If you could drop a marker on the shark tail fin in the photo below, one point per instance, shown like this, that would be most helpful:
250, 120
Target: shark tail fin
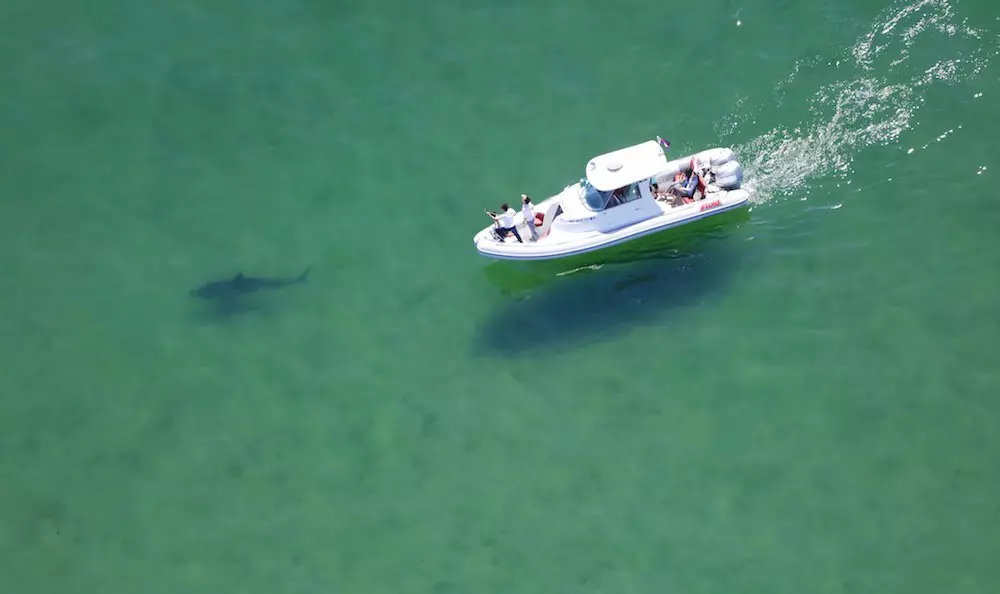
304, 275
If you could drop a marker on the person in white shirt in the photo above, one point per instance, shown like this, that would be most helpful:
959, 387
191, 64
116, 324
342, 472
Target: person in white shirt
529, 216
505, 222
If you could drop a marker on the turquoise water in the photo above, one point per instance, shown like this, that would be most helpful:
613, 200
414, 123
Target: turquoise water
804, 400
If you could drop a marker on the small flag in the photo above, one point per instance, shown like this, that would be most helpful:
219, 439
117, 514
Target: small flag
664, 143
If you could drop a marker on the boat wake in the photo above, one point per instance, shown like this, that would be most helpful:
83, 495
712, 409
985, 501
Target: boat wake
885, 79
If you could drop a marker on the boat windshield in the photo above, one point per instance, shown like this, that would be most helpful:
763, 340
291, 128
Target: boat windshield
598, 200
592, 197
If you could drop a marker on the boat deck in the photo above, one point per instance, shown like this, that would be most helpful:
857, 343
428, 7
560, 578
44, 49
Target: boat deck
522, 227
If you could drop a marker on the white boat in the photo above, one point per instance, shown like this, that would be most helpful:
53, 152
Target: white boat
615, 203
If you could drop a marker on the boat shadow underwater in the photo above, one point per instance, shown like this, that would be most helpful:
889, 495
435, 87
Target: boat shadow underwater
558, 305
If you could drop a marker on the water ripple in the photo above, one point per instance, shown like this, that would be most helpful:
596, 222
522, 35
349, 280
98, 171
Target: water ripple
873, 105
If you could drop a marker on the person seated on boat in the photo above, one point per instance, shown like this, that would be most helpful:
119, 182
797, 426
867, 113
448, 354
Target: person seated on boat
505, 222
664, 192
617, 197
682, 190
692, 182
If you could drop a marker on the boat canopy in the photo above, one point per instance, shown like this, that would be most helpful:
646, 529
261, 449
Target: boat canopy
626, 166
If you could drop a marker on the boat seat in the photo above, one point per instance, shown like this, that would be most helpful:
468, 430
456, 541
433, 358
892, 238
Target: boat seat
665, 178
553, 211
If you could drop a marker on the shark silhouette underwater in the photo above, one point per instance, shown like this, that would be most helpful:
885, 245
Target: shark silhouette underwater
227, 292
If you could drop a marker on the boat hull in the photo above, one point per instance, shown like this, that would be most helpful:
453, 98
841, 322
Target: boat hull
515, 276
549, 248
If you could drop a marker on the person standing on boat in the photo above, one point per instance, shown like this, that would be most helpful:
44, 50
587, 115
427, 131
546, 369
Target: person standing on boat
505, 222
529, 216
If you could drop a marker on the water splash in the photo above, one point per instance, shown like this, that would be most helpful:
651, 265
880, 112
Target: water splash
873, 103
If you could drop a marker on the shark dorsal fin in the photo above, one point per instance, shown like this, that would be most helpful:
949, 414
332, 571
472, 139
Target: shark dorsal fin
238, 277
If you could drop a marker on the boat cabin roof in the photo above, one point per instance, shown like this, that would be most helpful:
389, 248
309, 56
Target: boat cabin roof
626, 166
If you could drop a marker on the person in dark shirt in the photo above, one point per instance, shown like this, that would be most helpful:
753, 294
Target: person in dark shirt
685, 189
692, 182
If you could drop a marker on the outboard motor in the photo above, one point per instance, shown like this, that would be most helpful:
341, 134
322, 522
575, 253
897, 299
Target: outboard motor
728, 175
718, 156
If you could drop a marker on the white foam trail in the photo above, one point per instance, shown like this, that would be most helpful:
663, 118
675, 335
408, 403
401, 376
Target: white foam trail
580, 269
864, 108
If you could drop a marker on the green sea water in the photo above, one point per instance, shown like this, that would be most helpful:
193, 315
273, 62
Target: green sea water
803, 400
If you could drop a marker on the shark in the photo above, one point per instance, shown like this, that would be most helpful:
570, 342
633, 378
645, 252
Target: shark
228, 290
